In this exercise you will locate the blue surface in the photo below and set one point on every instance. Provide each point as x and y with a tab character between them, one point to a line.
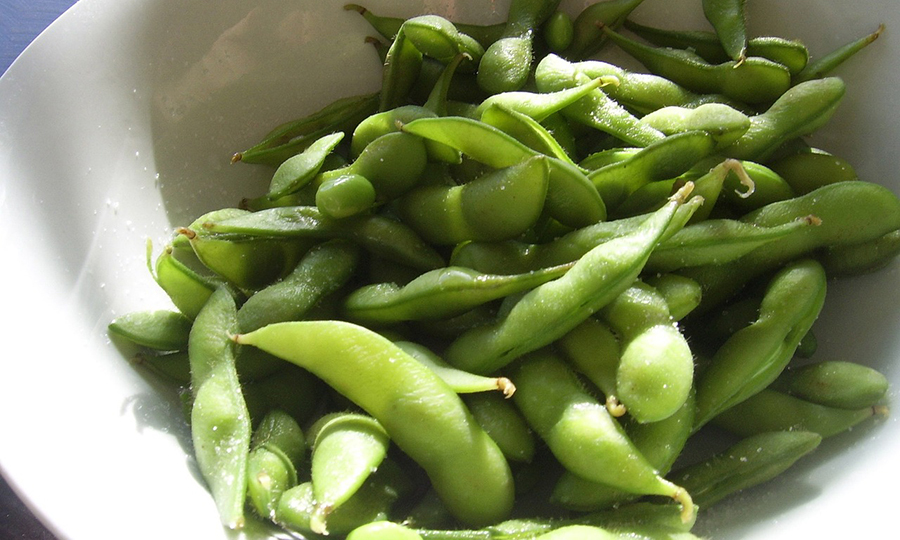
21	21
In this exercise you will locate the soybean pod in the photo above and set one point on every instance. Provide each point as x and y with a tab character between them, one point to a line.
470	474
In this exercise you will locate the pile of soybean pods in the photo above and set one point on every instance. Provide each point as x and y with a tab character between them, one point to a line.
497	298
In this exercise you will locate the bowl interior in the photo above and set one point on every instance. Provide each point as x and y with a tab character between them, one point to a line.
118	124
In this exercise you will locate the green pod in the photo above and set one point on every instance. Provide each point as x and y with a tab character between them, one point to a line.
373	502
277	449
470	474
682	294
247	263
439	294
862	258
578	532
768	187
588	37
385	122
500	205
750	462
526	130
161	330
662	160
401	68
644	92
571	199
729	21
724	124
592	349
558	31
842	385
440	39
220	421
174	367
551	310
771	410
345	196
541	105
346	449
753	80
799	111
850	213
187	289
709	185
518	257
655	371
503	422
660	443
324	269
383	530
811	170
790	53
754	356
299	170
718	241
820	67
393	163
461	382
389	26
289	139
380	235
290	389
506	63
596	110
580	432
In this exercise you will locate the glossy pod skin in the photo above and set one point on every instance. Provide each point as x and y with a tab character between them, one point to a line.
499	205
571	199
471	475
187	289
278	448
750	462
346	449
754	356
580	431
220	421
439	294
833	383
551	310
752	80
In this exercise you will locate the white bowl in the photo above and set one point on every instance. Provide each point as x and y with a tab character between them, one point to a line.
118	123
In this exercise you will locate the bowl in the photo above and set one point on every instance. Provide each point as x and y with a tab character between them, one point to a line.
117	125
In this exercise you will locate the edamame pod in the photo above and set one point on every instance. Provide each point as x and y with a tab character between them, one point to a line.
187	289
383	530
290	138
580	432
821	67
728	19
503	422
682	294
753	80
571	199
549	311
471	474
752	461
277	449
499	205
797	112
438	294
724	124
325	268
593	350
588	37
346	449
754	357
220	421
771	410
843	385
297	171
808	171
462	382
595	110
162	330
380	235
